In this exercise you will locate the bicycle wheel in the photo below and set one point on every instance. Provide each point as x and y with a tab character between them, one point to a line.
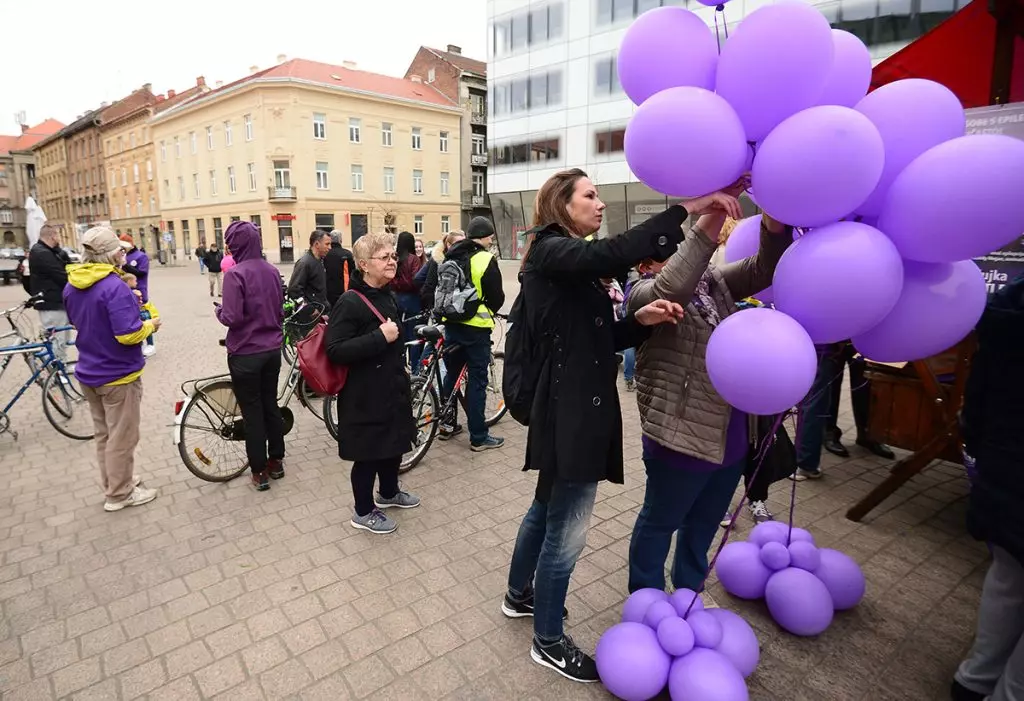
65	405
425	405
310	399
287	354
331	415
495	407
212	443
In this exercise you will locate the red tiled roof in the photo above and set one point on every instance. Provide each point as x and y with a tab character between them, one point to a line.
127	105
7	144
178	98
31	137
463	63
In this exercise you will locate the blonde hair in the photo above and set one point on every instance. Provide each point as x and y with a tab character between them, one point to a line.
369	244
727	228
451	238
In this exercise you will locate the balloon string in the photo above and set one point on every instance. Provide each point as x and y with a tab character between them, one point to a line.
718	36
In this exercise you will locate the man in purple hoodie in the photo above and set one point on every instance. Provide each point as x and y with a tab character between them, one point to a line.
252	310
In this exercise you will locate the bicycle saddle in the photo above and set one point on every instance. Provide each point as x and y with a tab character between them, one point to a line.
431	334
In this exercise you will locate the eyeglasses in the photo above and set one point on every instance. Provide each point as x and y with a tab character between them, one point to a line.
385	257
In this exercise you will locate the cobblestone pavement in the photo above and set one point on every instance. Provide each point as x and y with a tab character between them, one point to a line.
216	591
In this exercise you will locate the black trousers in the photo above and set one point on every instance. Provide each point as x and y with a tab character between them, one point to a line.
255	379
363	474
757	485
860	393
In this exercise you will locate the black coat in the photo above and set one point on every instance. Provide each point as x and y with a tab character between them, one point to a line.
47	267
213	260
993	418
375	419
337	260
576	423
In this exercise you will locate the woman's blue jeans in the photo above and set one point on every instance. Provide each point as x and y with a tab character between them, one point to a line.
691	505
628	363
551	538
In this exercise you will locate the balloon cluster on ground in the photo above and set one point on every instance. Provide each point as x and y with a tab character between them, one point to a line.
699	654
892	199
802	584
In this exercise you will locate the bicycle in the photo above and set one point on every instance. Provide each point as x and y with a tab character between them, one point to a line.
213	399
61	393
427	408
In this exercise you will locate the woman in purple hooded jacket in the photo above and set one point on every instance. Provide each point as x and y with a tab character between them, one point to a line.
252	309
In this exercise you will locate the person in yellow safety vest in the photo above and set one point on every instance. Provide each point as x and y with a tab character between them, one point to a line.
473	337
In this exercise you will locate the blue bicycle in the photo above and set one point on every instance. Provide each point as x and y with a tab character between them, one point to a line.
64	405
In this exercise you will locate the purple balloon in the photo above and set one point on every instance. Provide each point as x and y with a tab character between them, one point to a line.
739	643
799	534
939	305
675	636
741	571
804	555
775	64
799	602
682	598
775	556
636	605
631	663
818	166
850	77
667	47
662	152
744	241
712	3
707	631
843	578
706	675
761	361
657	612
938	117
769	532
820	280
979	174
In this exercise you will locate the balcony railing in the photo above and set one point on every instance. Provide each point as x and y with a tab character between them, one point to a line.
281	194
478	117
471	200
478	159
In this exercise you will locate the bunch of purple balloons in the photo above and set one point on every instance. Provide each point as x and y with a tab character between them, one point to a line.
700	654
894	199
802	584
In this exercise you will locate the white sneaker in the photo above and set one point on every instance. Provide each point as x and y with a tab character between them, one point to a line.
148	351
138	497
759	512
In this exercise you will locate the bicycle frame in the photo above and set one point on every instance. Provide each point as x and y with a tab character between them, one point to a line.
43	350
431	363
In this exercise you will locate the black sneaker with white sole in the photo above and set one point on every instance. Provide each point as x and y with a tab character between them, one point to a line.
521	609
566	659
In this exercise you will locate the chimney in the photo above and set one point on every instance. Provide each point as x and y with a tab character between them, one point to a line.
201	82
351	65
254	69
416	79
453	49
24	128
170	94
160	98
281	58
148	87
219	84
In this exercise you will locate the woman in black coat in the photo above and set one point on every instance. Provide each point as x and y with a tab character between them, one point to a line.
375	422
575	435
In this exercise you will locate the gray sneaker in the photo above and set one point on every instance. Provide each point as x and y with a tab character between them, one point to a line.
401	500
374	522
489	443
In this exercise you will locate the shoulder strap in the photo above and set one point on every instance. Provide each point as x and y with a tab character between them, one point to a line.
370	305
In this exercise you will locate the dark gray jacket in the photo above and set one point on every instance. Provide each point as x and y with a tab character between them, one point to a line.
309	280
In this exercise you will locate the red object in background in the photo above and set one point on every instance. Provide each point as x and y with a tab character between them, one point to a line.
282	217
960	54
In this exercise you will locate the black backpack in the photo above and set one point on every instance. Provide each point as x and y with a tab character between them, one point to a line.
455	297
526	351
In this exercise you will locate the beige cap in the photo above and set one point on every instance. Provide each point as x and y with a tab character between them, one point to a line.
100	240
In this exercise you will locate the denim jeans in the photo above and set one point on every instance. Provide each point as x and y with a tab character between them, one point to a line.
685	502
815	409
551	538
628	363
475	351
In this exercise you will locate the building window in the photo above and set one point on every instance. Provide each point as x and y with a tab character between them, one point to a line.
389	180
192	142
355	130
124	177
612	141
177	147
181	187
135	172
417	139
445	184
209	138
149	170
163	151
446	224
127	208
131	141
117	214
232	184
518	31
138	207
525	152
417	224
247	121
386	131
228	139
195	185
613	11
528	92
443	141
319	126
256	220
213	183
606	77
152	204
167	188
251	171
218	232
120	145
431	75
479	145
357	178
321	176
200	231
478	184
417	182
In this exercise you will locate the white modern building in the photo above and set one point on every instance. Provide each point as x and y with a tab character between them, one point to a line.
555	101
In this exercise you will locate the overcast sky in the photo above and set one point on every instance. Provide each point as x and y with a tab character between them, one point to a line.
83	53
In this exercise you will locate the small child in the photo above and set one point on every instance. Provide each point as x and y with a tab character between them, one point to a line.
146	309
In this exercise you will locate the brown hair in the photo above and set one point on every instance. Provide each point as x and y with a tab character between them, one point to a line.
551	205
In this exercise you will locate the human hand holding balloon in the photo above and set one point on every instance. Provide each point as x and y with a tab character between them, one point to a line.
660	311
715	202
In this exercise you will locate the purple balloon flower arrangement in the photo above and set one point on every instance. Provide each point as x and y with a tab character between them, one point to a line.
803	585
700	654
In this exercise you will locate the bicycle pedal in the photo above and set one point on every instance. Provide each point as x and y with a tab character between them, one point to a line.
202	458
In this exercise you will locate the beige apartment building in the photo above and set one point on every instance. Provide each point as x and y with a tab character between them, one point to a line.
52	184
303	146
18	179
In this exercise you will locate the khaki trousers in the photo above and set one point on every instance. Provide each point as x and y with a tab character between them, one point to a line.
116	413
214	279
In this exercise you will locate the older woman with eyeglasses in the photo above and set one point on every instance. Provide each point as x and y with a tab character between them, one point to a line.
375	422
